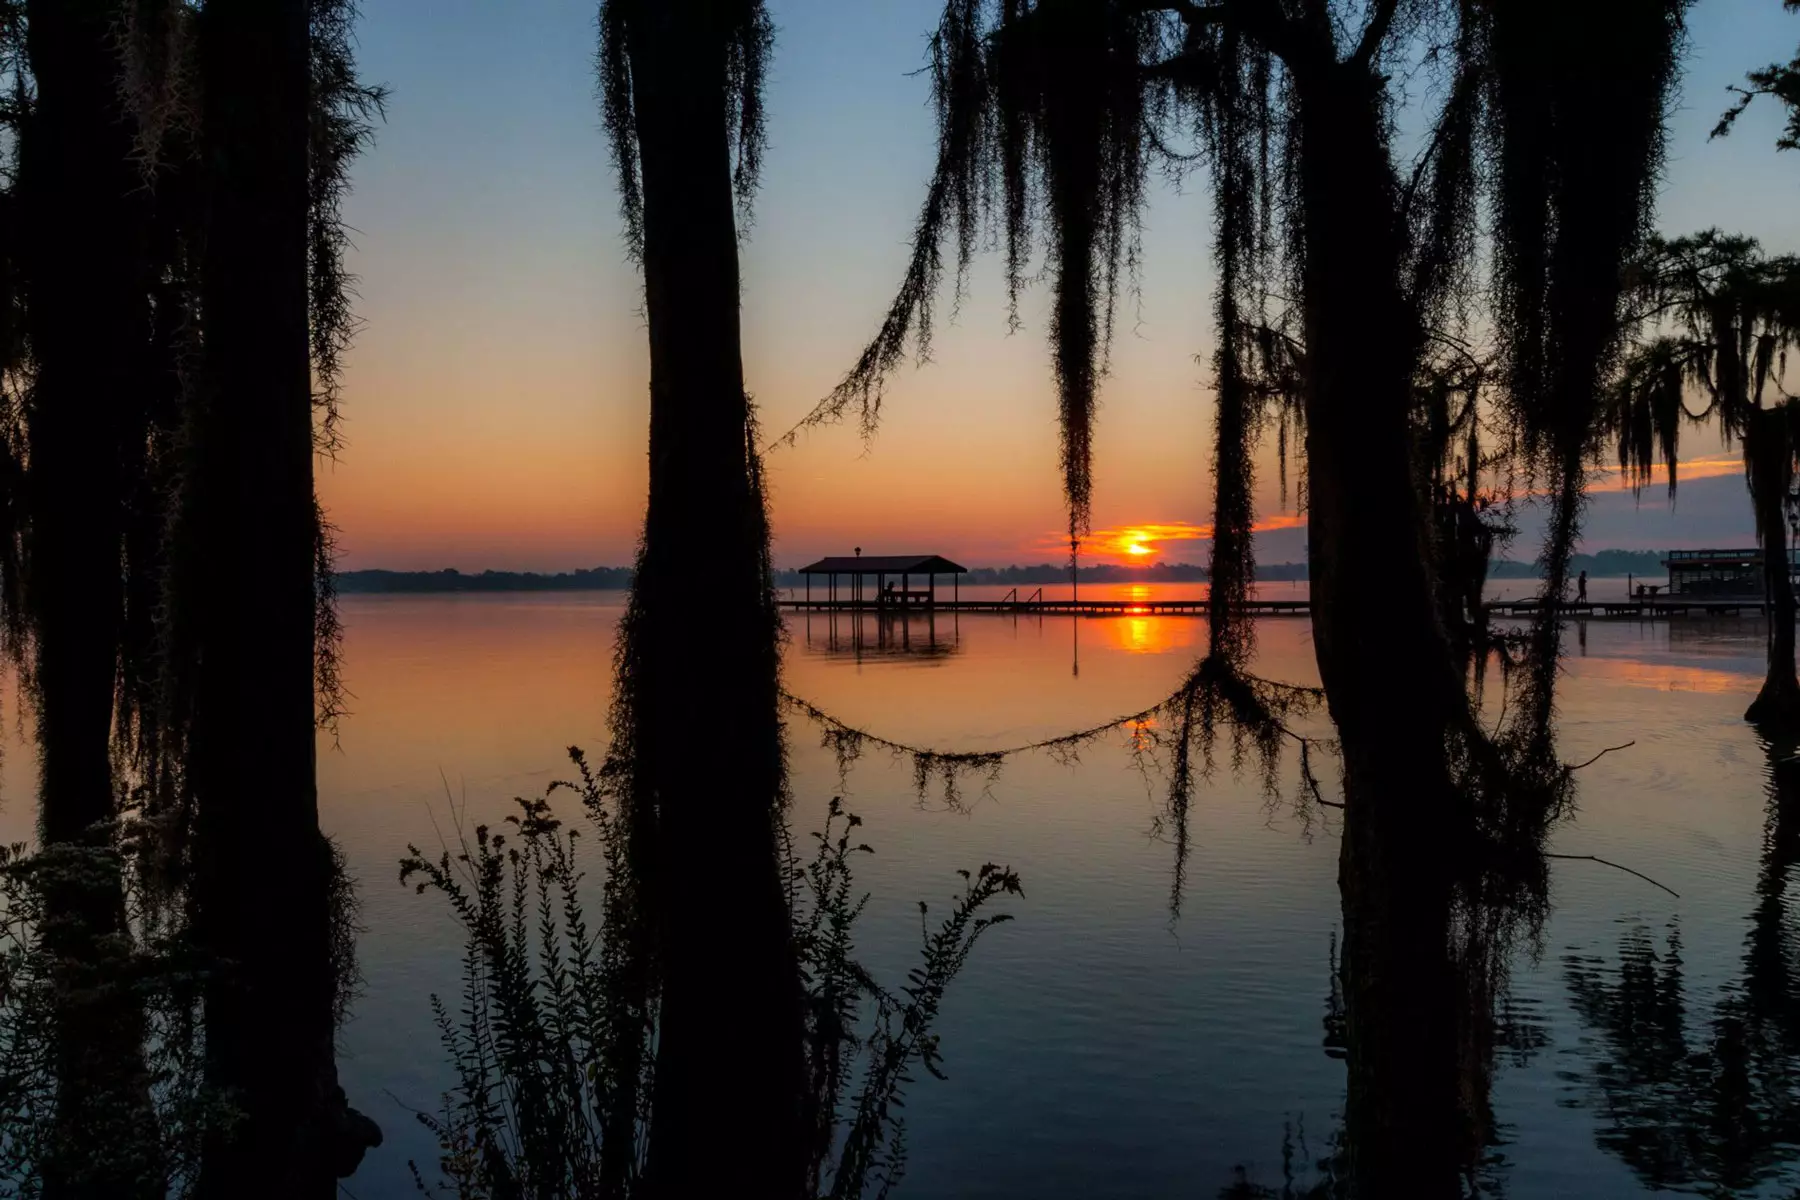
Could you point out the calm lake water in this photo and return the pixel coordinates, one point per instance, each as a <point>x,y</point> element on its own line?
<point>1096,1046</point>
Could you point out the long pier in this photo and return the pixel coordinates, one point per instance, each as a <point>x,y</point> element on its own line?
<point>1647,609</point>
<point>1079,608</point>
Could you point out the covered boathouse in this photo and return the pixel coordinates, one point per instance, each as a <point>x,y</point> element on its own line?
<point>1730,574</point>
<point>892,576</point>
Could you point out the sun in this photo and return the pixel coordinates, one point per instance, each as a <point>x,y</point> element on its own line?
<point>1133,542</point>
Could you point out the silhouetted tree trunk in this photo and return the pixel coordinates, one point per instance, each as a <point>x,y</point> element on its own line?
<point>1769,457</point>
<point>702,660</point>
<point>83,209</point>
<point>262,874</point>
<point>1383,656</point>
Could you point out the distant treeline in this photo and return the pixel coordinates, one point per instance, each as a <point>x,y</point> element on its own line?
<point>593,579</point>
<point>1602,563</point>
<point>451,580</point>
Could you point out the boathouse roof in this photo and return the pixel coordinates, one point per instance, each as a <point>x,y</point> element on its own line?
<point>884,564</point>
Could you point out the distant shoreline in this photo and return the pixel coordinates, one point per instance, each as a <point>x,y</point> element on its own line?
<point>1604,564</point>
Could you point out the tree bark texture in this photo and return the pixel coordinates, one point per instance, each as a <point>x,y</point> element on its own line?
<point>1384,659</point>
<point>727,1094</point>
<point>263,868</point>
<point>1769,456</point>
<point>82,226</point>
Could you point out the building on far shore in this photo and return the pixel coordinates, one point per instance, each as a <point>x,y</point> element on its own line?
<point>1728,574</point>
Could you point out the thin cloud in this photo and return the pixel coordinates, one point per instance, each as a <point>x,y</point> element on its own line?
<point>1710,466</point>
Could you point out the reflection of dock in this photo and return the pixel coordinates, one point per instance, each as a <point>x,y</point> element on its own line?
<point>1646,609</point>
<point>866,633</point>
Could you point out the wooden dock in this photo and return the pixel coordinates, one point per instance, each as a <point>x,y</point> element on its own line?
<point>1052,608</point>
<point>1660,608</point>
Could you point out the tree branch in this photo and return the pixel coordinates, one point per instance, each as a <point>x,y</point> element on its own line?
<point>1595,858</point>
<point>1265,22</point>
<point>1261,20</point>
<point>1375,32</point>
<point>1590,762</point>
<point>1189,12</point>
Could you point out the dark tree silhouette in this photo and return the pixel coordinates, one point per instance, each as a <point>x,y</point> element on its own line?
<point>1049,110</point>
<point>82,273</point>
<point>277,116</point>
<point>250,501</point>
<point>1718,318</point>
<point>1575,106</point>
<point>681,86</point>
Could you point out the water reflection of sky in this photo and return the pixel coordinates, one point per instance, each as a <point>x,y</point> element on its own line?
<point>1093,1048</point>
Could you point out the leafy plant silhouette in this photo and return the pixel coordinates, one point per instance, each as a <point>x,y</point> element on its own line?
<point>552,1049</point>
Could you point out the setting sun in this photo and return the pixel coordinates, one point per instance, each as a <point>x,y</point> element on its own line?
<point>1137,541</point>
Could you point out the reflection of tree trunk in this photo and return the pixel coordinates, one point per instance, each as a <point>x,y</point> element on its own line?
<point>1769,456</point>
<point>262,905</point>
<point>1404,1132</point>
<point>1383,656</point>
<point>701,661</point>
<point>1769,983</point>
<point>1717,1114</point>
<point>84,210</point>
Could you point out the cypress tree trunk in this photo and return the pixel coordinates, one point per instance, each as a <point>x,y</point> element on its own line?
<point>86,314</point>
<point>1383,656</point>
<point>1769,457</point>
<point>83,214</point>
<point>702,661</point>
<point>262,905</point>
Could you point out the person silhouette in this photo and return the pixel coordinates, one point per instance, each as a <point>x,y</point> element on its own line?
<point>1581,588</point>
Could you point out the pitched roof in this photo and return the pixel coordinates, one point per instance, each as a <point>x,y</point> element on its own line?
<point>887,564</point>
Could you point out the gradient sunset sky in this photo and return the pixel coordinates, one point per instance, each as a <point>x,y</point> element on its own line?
<point>496,401</point>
